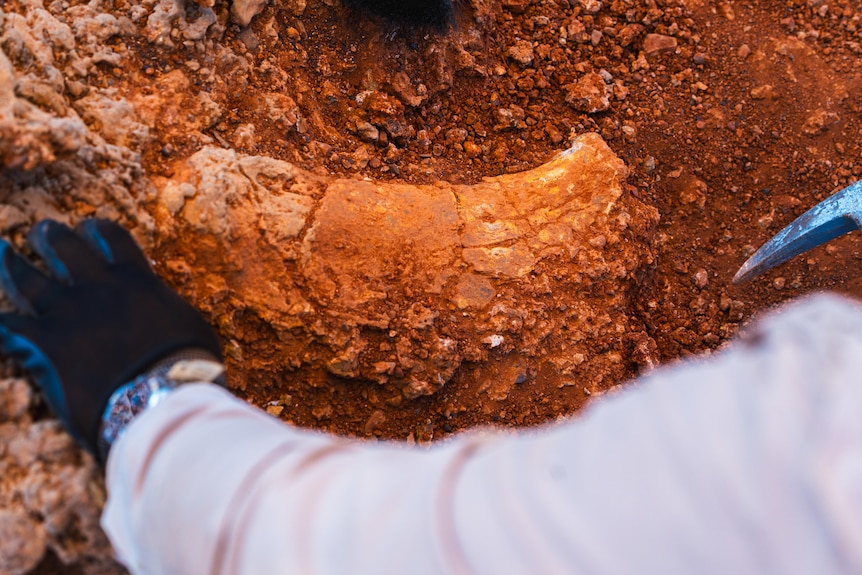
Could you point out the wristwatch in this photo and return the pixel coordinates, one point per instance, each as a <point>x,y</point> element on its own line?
<point>151,387</point>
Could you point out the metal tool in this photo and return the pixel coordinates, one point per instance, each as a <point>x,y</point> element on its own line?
<point>836,215</point>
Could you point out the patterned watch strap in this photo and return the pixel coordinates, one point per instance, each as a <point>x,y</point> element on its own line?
<point>149,388</point>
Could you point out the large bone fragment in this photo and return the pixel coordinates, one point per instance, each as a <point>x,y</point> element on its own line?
<point>399,283</point>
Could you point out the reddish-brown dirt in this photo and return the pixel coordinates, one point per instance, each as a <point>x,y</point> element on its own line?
<point>732,117</point>
<point>742,121</point>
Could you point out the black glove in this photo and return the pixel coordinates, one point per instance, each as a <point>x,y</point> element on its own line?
<point>101,319</point>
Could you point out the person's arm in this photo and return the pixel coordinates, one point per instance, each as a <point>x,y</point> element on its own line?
<point>747,462</point>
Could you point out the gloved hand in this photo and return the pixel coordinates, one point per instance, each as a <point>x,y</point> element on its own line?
<point>101,318</point>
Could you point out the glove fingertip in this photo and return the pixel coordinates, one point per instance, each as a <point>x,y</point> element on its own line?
<point>89,230</point>
<point>11,326</point>
<point>113,241</point>
<point>40,239</point>
<point>23,350</point>
<point>9,262</point>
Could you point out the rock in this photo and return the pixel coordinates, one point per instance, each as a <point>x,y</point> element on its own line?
<point>47,485</point>
<point>359,159</point>
<point>456,136</point>
<point>375,266</point>
<point>505,261</point>
<point>22,542</point>
<point>763,92</point>
<point>296,7</point>
<point>274,410</point>
<point>7,81</point>
<point>198,29</point>
<point>162,20</point>
<point>726,10</point>
<point>367,131</point>
<point>42,94</point>
<point>629,33</point>
<point>473,291</point>
<point>11,218</point>
<point>511,117</point>
<point>589,94</point>
<point>410,94</point>
<point>98,28</point>
<point>655,44</point>
<point>691,190</point>
<point>168,23</point>
<point>29,135</point>
<point>521,52</point>
<point>577,31</point>
<point>14,399</point>
<point>243,11</point>
<point>472,149</point>
<point>591,6</point>
<point>375,421</point>
<point>387,113</point>
<point>115,119</point>
<point>818,122</point>
<point>244,136</point>
<point>516,6</point>
<point>282,109</point>
<point>249,39</point>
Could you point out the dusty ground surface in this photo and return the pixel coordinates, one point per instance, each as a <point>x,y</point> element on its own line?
<point>732,117</point>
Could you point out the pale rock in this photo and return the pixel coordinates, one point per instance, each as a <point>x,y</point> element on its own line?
<point>197,30</point>
<point>589,94</point>
<point>41,93</point>
<point>818,121</point>
<point>115,119</point>
<point>15,397</point>
<point>244,136</point>
<point>162,19</point>
<point>505,261</point>
<point>22,542</point>
<point>174,195</point>
<point>98,28</point>
<point>591,6</point>
<point>763,92</point>
<point>521,52</point>
<point>7,81</point>
<point>243,11</point>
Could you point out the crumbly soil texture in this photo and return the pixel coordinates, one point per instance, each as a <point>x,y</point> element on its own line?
<point>731,118</point>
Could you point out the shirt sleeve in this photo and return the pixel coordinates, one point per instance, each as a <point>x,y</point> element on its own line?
<point>749,461</point>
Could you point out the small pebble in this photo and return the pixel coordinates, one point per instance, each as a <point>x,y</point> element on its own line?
<point>275,410</point>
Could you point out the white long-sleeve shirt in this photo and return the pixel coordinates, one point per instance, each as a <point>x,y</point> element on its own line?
<point>747,462</point>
